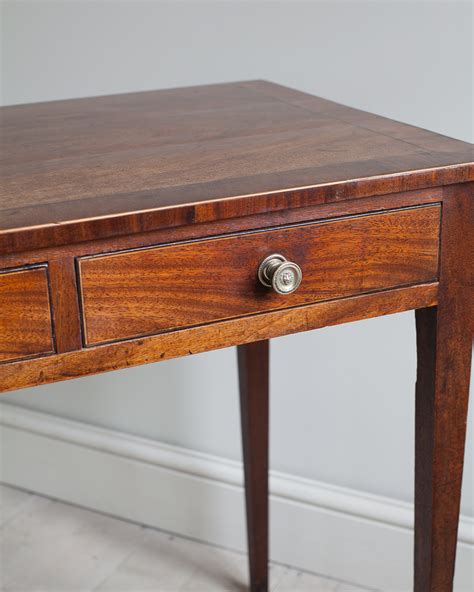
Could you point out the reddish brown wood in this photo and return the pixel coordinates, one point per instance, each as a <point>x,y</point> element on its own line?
<point>444,362</point>
<point>148,291</point>
<point>217,335</point>
<point>16,253</point>
<point>64,295</point>
<point>253,359</point>
<point>107,166</point>
<point>92,176</point>
<point>25,315</point>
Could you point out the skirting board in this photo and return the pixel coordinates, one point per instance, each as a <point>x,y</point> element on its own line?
<point>337,532</point>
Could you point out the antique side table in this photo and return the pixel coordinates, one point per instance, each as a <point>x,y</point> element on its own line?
<point>136,228</point>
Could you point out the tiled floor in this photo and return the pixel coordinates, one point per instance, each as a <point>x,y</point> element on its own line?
<point>48,546</point>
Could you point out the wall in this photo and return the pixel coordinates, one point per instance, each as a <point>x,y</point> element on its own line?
<point>342,407</point>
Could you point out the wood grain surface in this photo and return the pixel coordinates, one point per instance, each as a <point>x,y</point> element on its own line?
<point>65,300</point>
<point>254,384</point>
<point>185,342</point>
<point>169,225</point>
<point>25,315</point>
<point>124,163</point>
<point>148,291</point>
<point>444,339</point>
<point>195,187</point>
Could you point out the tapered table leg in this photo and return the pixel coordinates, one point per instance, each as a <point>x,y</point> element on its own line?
<point>254,394</point>
<point>441,411</point>
<point>444,344</point>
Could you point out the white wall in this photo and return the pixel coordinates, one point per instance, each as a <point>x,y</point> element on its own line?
<point>342,398</point>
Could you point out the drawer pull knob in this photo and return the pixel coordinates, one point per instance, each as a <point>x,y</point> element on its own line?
<point>276,272</point>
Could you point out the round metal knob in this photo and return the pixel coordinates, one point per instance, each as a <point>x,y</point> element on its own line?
<point>276,272</point>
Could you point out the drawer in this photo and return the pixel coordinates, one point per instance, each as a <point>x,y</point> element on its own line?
<point>25,314</point>
<point>151,290</point>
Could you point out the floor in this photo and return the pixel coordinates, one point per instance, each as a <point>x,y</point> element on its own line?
<point>49,546</point>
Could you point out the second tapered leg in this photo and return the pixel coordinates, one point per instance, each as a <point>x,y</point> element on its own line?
<point>253,361</point>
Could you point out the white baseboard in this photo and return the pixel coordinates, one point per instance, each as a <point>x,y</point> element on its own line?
<point>322,528</point>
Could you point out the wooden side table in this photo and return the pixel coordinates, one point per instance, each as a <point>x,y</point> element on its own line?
<point>141,227</point>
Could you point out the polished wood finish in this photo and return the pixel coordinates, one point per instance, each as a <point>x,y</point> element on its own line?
<point>79,169</point>
<point>253,360</point>
<point>444,345</point>
<point>244,223</point>
<point>145,350</point>
<point>65,298</point>
<point>25,315</point>
<point>149,291</point>
<point>198,185</point>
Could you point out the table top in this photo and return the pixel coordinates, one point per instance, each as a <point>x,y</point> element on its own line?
<point>84,159</point>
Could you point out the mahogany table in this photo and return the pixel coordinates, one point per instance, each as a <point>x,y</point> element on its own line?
<point>140,227</point>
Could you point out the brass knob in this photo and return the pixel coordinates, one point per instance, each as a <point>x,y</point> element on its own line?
<point>276,272</point>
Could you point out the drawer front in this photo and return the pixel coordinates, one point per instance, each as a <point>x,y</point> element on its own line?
<point>152,290</point>
<point>25,314</point>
